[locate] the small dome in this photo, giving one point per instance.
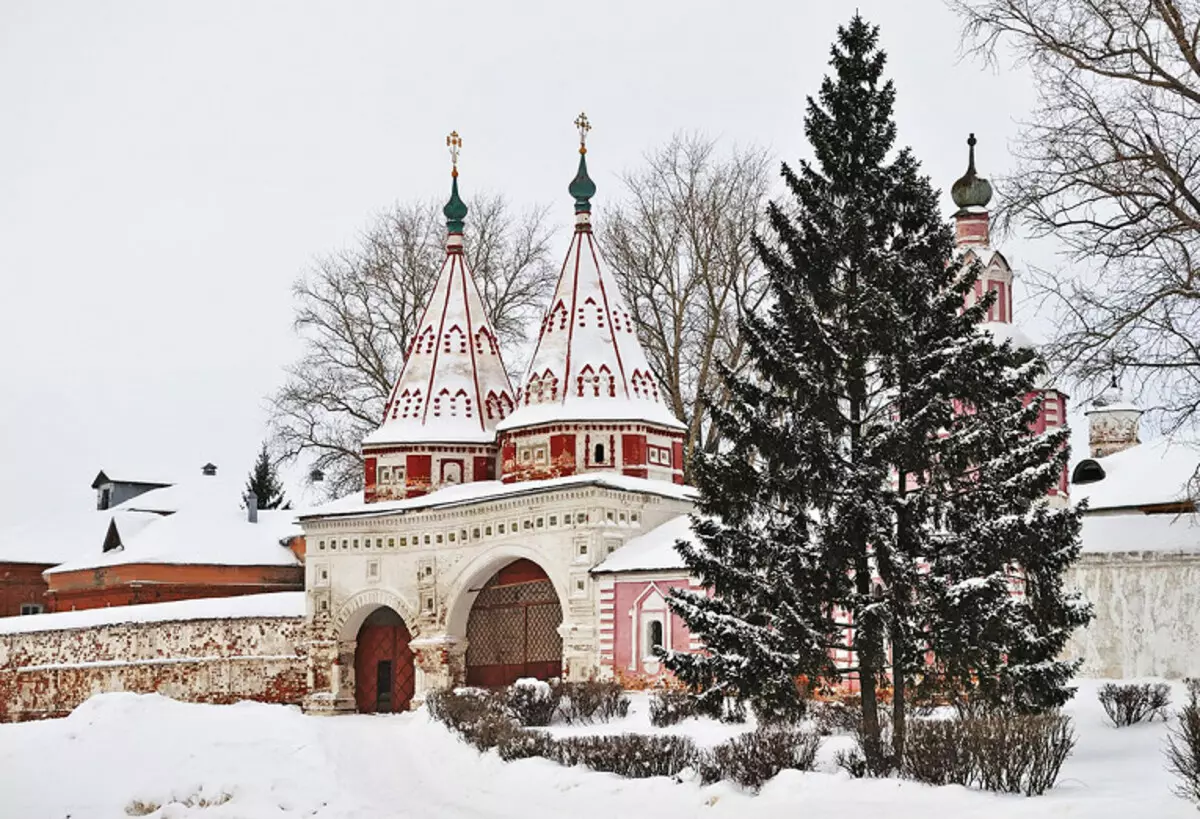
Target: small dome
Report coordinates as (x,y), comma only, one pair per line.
(971,190)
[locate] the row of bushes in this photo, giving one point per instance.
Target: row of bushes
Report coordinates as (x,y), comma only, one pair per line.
(488,720)
(1183,746)
(1011,753)
(534,703)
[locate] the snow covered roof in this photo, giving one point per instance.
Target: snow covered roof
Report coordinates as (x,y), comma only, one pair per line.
(483,491)
(1004,331)
(1141,533)
(273,604)
(654,550)
(1144,475)
(984,255)
(52,540)
(588,364)
(453,388)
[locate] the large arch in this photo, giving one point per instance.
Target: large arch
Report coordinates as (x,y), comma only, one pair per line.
(510,610)
(384,674)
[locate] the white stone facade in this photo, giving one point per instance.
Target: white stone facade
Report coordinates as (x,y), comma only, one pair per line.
(429,563)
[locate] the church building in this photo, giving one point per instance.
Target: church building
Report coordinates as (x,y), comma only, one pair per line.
(527,531)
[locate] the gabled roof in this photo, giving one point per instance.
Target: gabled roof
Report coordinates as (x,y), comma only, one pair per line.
(116,476)
(654,550)
(1149,474)
(588,363)
(453,388)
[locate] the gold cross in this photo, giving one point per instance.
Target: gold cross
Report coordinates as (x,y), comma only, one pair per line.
(581,122)
(454,143)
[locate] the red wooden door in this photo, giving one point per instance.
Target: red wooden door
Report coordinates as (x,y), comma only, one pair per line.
(383,664)
(512,631)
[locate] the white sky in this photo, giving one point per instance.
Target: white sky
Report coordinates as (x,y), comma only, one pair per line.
(168,169)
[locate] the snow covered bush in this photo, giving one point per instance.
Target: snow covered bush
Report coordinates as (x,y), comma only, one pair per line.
(480,718)
(524,744)
(936,753)
(533,702)
(1018,753)
(1011,753)
(635,756)
(585,702)
(1131,703)
(835,717)
(1183,746)
(752,759)
(670,706)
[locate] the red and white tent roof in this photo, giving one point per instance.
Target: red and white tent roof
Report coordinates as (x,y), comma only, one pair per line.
(453,388)
(588,364)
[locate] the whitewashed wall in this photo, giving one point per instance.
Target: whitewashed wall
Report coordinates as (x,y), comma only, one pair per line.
(1147,607)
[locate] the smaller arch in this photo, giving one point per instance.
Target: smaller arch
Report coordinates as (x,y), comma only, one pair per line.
(354,610)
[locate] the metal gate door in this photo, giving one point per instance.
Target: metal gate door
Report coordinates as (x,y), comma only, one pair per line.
(512,631)
(383,664)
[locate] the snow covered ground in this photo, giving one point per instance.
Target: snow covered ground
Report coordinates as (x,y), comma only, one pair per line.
(123,753)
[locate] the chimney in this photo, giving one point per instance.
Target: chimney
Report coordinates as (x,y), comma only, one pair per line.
(252,506)
(1112,423)
(209,469)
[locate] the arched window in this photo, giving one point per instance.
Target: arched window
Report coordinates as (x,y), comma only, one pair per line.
(654,636)
(598,454)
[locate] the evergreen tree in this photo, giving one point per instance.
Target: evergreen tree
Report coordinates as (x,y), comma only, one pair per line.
(264,483)
(866,368)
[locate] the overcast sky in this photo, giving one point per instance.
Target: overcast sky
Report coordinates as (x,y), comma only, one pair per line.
(168,169)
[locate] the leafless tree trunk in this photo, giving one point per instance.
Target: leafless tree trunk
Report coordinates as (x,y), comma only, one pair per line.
(358,309)
(679,243)
(1110,166)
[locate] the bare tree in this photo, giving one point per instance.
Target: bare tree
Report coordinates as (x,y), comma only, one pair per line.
(682,255)
(1110,166)
(358,309)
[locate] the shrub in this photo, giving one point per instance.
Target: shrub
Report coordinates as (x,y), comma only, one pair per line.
(478,717)
(521,744)
(1130,704)
(852,762)
(585,702)
(935,753)
(1018,753)
(635,756)
(835,717)
(670,706)
(533,702)
(1183,746)
(753,758)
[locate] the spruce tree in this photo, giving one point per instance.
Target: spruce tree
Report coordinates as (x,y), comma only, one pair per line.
(264,483)
(821,563)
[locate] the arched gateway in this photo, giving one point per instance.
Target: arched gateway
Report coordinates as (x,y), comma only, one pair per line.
(383,664)
(512,630)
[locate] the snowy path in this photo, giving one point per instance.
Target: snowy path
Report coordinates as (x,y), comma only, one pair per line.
(270,761)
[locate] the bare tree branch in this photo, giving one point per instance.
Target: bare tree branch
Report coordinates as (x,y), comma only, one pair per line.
(1110,166)
(681,250)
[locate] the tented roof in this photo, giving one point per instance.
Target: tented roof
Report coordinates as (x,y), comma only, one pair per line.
(588,364)
(453,388)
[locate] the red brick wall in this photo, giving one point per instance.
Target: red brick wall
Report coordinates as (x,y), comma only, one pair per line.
(136,583)
(21,583)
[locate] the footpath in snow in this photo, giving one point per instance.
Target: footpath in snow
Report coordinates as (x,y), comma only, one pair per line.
(123,754)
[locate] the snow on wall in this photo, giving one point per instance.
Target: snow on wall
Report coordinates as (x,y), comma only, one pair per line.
(48,673)
(1147,621)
